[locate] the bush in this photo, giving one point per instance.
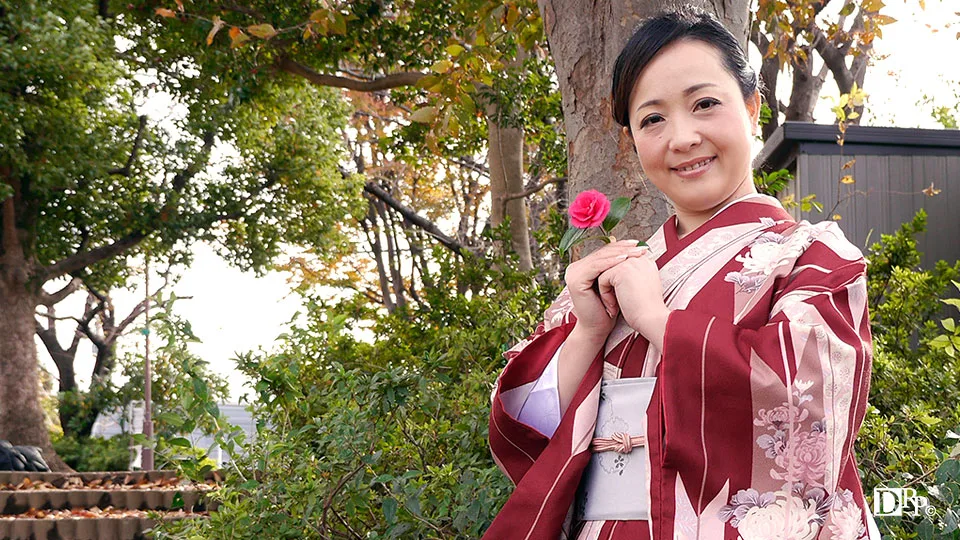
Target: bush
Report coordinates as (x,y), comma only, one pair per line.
(389,439)
(88,454)
(909,434)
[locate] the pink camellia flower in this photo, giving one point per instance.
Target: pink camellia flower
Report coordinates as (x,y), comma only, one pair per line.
(589,209)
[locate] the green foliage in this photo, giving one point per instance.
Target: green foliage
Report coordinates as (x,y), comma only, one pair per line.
(915,387)
(387,436)
(945,115)
(773,182)
(88,454)
(91,171)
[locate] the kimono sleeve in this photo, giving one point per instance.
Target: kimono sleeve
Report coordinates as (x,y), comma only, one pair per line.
(516,444)
(791,393)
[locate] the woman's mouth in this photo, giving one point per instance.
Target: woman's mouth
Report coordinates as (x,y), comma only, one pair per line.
(695,166)
(695,169)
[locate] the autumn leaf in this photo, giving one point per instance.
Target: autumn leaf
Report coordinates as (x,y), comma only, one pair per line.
(455,50)
(180,6)
(931,191)
(318,15)
(217,25)
(848,165)
(237,37)
(872,5)
(339,24)
(836,217)
(164,12)
(442,66)
(424,115)
(847,179)
(262,31)
(884,19)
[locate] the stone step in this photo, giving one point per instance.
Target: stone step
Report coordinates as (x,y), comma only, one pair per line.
(59,479)
(79,528)
(18,502)
(96,506)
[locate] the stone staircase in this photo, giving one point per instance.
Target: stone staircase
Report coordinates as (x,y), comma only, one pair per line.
(95,506)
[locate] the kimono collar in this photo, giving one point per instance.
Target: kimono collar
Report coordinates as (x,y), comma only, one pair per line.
(751,207)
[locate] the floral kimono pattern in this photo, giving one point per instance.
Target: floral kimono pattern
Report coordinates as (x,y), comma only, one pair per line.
(760,391)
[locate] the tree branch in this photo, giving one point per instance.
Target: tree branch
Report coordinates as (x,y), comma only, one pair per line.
(394,80)
(55,298)
(834,59)
(79,261)
(534,189)
(411,216)
(137,141)
(83,259)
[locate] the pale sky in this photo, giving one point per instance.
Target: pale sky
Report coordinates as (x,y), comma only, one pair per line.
(233,311)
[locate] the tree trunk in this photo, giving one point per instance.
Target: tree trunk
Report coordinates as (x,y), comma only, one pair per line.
(585,38)
(21,418)
(505,161)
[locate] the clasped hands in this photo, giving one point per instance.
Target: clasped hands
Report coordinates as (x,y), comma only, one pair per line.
(619,278)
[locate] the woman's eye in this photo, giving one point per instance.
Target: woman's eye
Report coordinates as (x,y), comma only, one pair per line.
(652,119)
(707,103)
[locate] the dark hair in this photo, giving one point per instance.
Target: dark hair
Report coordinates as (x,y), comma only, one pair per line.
(655,33)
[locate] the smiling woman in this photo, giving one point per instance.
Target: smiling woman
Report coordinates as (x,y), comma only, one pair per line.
(712,384)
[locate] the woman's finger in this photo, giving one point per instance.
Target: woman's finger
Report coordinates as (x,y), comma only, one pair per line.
(607,292)
(593,267)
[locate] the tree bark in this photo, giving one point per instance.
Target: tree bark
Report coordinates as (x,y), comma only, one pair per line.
(585,38)
(21,418)
(505,157)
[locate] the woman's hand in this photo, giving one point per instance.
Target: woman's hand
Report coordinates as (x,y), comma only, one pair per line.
(597,312)
(635,283)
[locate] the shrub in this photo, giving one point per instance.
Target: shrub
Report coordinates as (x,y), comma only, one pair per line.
(87,454)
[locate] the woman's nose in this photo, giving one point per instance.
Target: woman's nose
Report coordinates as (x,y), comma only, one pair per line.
(684,135)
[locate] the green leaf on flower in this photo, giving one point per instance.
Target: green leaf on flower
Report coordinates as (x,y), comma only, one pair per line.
(570,238)
(618,209)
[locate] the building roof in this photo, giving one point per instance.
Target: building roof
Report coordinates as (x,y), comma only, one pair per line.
(792,138)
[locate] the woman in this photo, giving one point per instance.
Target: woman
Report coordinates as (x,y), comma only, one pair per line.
(711,385)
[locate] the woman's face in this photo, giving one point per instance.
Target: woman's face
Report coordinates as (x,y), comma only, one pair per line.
(692,128)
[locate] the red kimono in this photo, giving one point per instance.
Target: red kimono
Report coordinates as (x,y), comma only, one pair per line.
(760,391)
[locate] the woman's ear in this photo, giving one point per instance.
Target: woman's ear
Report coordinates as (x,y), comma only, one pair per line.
(753,110)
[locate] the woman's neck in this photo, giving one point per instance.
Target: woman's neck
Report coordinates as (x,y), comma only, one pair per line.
(688,222)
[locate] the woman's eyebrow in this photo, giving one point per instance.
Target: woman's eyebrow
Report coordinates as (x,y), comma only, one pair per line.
(686,93)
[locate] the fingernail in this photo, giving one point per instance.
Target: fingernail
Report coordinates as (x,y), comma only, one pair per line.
(623,257)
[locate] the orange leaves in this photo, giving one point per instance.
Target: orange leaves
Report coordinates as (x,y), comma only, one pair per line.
(164,12)
(217,25)
(237,37)
(884,19)
(931,191)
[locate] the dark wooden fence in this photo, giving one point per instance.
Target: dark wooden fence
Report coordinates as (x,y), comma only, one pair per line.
(892,167)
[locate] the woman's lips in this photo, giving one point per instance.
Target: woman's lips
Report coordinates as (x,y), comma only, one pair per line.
(695,170)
